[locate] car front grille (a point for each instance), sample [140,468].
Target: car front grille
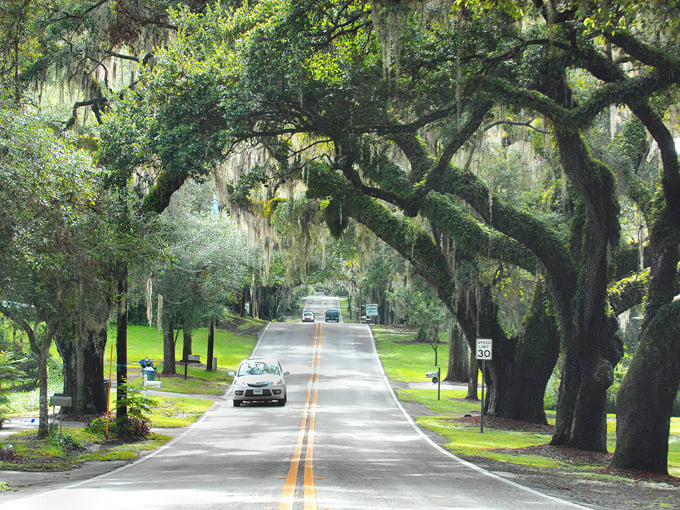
[265,393]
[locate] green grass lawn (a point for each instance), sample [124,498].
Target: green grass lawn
[70,447]
[229,349]
[171,412]
[144,342]
[407,361]
[67,448]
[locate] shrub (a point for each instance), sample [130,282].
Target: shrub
[133,428]
[97,426]
[130,428]
[64,440]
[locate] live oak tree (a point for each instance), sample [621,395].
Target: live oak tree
[69,56]
[199,141]
[49,187]
[643,423]
[376,108]
[641,74]
[93,49]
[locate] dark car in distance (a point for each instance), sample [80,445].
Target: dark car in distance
[332,315]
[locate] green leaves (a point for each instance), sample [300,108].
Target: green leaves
[44,175]
[208,254]
[50,192]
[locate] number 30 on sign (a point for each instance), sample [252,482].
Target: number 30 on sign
[484,348]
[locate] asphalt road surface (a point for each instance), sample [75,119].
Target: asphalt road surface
[341,442]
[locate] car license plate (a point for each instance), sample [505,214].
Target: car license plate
[257,392]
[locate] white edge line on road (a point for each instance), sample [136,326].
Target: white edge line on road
[448,453]
[259,338]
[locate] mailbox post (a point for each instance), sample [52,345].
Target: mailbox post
[61,400]
[436,378]
[147,384]
[191,358]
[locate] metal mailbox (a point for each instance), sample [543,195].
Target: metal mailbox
[60,400]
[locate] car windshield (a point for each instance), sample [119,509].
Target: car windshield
[258,368]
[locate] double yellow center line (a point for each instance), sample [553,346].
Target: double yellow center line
[306,431]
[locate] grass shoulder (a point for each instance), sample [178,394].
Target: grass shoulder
[68,448]
[457,419]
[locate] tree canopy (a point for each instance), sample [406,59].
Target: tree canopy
[519,155]
[383,110]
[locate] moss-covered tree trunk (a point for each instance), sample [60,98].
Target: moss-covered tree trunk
[590,353]
[591,347]
[646,396]
[83,360]
[459,355]
[526,365]
[645,399]
[82,353]
[93,394]
[519,371]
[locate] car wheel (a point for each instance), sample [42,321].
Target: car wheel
[237,403]
[283,401]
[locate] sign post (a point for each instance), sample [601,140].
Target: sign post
[484,351]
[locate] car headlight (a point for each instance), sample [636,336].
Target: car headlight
[278,381]
[240,382]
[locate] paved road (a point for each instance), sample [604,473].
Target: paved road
[342,442]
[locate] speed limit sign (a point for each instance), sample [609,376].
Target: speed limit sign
[484,348]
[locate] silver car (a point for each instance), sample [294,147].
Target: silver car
[260,380]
